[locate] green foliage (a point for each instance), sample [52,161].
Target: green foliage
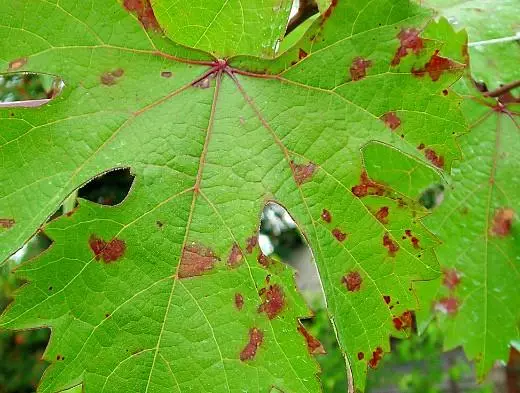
[168,291]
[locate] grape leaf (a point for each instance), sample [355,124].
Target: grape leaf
[168,291]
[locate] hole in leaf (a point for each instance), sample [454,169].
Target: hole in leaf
[111,188]
[25,89]
[432,197]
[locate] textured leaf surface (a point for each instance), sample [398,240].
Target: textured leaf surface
[168,291]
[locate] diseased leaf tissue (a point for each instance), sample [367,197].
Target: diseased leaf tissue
[169,291]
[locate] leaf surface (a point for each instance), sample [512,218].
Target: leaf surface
[168,291]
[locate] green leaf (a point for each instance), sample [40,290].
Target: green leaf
[147,295]
[476,299]
[225,28]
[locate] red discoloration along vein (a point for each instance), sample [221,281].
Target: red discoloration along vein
[502,222]
[390,244]
[107,251]
[435,159]
[196,260]
[410,40]
[435,67]
[352,281]
[7,223]
[302,54]
[313,345]
[382,215]
[256,338]
[302,173]
[328,11]
[377,355]
[235,256]
[144,12]
[273,301]
[451,278]
[367,187]
[358,69]
[391,120]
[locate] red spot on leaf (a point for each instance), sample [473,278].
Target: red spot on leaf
[352,281]
[235,256]
[273,301]
[18,63]
[502,222]
[326,216]
[302,54]
[107,251]
[256,337]
[415,242]
[391,120]
[367,187]
[435,67]
[328,11]
[302,172]
[196,260]
[239,301]
[264,260]
[382,215]
[360,355]
[448,305]
[387,299]
[110,78]
[408,232]
[144,12]
[313,345]
[451,278]
[405,321]
[7,223]
[435,159]
[390,244]
[340,236]
[410,40]
[445,92]
[251,244]
[358,69]
[377,355]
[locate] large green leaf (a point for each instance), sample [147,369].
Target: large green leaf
[168,291]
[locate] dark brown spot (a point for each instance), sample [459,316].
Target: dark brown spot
[302,54]
[235,256]
[107,315]
[264,260]
[239,301]
[325,216]
[196,260]
[448,305]
[328,11]
[302,173]
[340,236]
[110,78]
[377,355]
[273,301]
[367,187]
[360,355]
[352,281]
[445,92]
[391,245]
[435,67]
[435,159]
[387,299]
[502,222]
[405,321]
[408,232]
[107,251]
[358,69]
[415,242]
[313,345]
[18,63]
[251,244]
[144,12]
[421,146]
[451,278]
[410,40]
[256,337]
[382,215]
[7,223]
[166,74]
[159,224]
[391,120]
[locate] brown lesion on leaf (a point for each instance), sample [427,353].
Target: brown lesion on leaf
[264,260]
[360,355]
[17,64]
[303,173]
[112,77]
[251,243]
[328,12]
[413,239]
[339,235]
[358,69]
[404,321]
[144,12]
[235,256]
[326,216]
[377,355]
[166,74]
[382,215]
[410,42]
[450,278]
[239,301]
[502,222]
[313,344]
[196,260]
[107,251]
[387,299]
[352,281]
[256,338]
[273,301]
[7,223]
[301,54]
[436,66]
[434,158]
[391,120]
[367,186]
[390,244]
[448,305]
